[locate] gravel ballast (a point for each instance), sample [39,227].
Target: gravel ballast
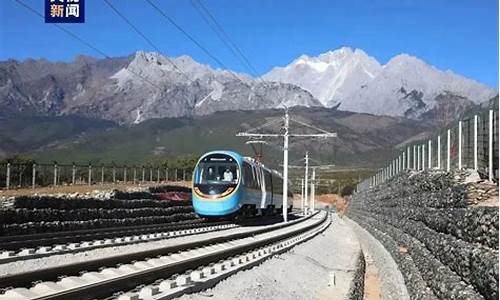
[325,267]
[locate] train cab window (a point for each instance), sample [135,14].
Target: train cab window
[217,169]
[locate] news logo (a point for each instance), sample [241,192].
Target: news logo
[64,11]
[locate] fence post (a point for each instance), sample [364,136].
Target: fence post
[166,174]
[439,152]
[7,178]
[114,174]
[418,157]
[90,174]
[135,174]
[143,174]
[404,160]
[102,175]
[423,156]
[475,142]
[184,175]
[448,154]
[55,174]
[73,174]
[430,154]
[408,157]
[150,174]
[414,157]
[460,145]
[175,179]
[33,176]
[125,174]
[158,175]
[490,146]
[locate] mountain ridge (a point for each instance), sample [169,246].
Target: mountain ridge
[404,86]
[145,85]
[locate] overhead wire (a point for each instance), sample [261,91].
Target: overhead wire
[148,40]
[193,39]
[212,22]
[83,41]
[209,18]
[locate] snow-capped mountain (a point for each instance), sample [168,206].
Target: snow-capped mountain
[148,85]
[405,86]
[140,87]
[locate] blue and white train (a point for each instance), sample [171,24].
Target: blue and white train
[228,184]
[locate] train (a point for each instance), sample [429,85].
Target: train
[227,184]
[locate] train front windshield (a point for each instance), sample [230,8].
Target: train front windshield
[216,173]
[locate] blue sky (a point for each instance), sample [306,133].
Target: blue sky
[458,35]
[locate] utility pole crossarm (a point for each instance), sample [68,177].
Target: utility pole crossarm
[321,135]
[286,135]
[246,134]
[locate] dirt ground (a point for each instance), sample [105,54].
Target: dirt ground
[82,189]
[372,280]
[321,201]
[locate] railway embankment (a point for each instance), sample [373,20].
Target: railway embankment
[441,229]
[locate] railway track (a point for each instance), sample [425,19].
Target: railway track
[43,251]
[41,245]
[103,277]
[16,242]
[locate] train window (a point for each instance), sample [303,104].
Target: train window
[268,181]
[217,169]
[247,174]
[278,185]
[257,176]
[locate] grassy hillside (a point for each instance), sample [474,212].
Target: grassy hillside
[21,134]
[363,140]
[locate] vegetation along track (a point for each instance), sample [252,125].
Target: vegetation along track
[106,276]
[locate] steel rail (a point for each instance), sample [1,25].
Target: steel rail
[16,242]
[108,281]
[25,279]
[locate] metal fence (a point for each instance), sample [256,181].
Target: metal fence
[471,143]
[17,175]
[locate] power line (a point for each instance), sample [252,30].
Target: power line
[149,41]
[139,32]
[223,36]
[230,44]
[81,40]
[192,39]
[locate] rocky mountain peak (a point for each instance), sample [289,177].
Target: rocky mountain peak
[405,86]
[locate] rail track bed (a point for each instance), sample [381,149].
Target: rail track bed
[25,247]
[101,278]
[91,241]
[16,242]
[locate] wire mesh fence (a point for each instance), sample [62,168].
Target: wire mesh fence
[472,143]
[23,175]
